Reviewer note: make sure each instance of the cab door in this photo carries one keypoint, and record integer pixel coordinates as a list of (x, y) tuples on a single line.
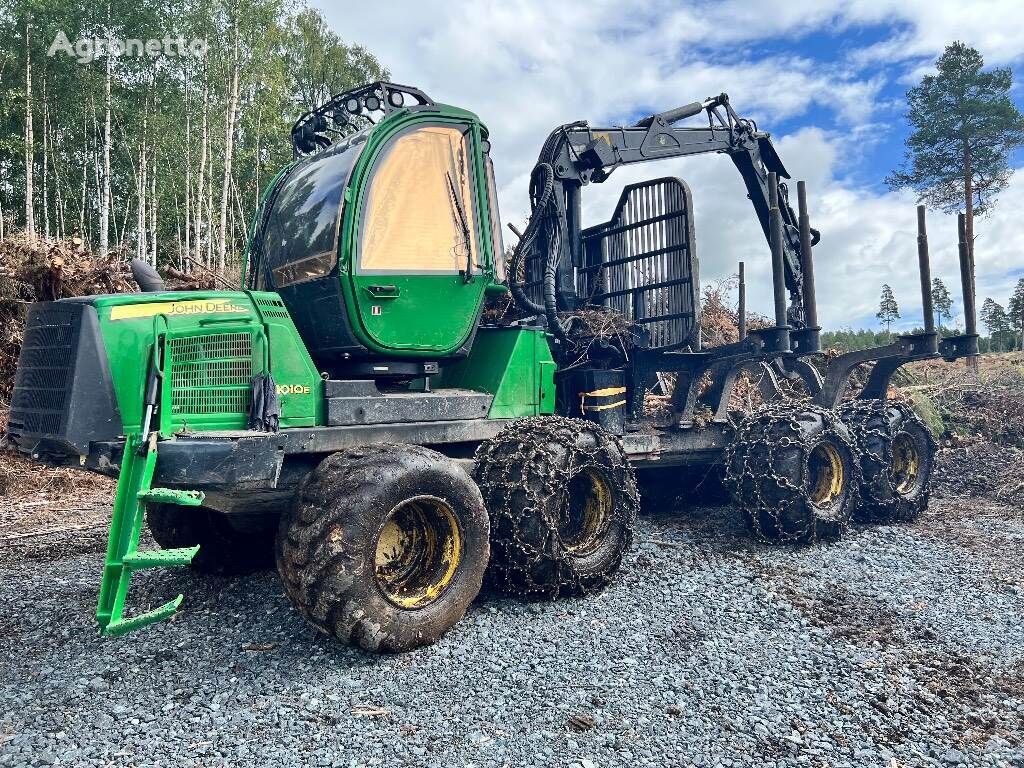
[(417, 273)]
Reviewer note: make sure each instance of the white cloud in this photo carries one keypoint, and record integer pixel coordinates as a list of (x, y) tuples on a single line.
[(526, 66), (992, 26)]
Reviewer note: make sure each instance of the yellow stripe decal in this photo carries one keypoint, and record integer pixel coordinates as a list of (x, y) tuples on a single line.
[(605, 392), (604, 407), (171, 308)]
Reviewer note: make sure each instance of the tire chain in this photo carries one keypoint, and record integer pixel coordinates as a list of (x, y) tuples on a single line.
[(869, 422), (523, 477), (777, 508)]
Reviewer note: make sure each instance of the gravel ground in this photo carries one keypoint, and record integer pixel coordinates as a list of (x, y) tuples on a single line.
[(898, 646)]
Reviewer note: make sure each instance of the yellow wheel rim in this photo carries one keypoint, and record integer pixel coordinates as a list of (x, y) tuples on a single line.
[(825, 474), (419, 549), (587, 511), (905, 465)]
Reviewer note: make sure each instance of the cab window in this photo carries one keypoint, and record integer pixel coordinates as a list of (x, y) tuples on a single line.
[(419, 215), (297, 239), (497, 245)]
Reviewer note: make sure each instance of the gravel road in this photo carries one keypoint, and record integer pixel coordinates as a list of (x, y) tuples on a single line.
[(898, 646)]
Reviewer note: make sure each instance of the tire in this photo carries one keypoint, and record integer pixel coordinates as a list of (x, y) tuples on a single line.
[(384, 547), (223, 550), (897, 456), (563, 499), (791, 469)]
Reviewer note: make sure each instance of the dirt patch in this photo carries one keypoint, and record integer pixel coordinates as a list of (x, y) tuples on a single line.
[(973, 404), (50, 512), (853, 617), (979, 468), (926, 674)]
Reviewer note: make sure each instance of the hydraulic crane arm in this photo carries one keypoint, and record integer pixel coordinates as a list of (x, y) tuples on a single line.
[(579, 154)]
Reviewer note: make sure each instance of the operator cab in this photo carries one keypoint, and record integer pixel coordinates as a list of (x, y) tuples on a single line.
[(383, 235)]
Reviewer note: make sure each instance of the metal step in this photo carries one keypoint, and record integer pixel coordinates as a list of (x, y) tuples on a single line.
[(123, 557), (351, 403), (123, 626), (172, 496), (160, 558)]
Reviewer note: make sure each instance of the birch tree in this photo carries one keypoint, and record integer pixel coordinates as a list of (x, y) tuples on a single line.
[(105, 201), (204, 139), (30, 216), (106, 165), (229, 147)]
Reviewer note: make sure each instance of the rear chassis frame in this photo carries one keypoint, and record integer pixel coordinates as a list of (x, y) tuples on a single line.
[(248, 473)]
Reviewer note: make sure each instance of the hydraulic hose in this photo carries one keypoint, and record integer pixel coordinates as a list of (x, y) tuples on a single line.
[(541, 188), (545, 213), (541, 215), (550, 275)]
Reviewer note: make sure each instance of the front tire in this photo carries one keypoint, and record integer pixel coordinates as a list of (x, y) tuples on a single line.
[(897, 456), (562, 498), (792, 471), (384, 546)]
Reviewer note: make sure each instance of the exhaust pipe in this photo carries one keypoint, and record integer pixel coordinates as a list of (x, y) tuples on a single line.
[(147, 278)]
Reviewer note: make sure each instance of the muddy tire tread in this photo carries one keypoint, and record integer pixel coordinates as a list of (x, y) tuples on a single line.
[(324, 544)]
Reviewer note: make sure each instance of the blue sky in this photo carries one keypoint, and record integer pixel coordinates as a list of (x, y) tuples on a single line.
[(826, 78), (868, 163)]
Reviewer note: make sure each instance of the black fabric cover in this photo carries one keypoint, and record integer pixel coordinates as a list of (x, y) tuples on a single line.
[(265, 411)]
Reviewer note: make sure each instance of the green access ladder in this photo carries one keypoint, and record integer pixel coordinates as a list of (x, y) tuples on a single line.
[(134, 492)]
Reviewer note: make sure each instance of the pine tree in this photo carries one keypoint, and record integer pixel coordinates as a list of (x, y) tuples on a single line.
[(966, 126), (888, 310), (942, 302), (994, 316), (1015, 311)]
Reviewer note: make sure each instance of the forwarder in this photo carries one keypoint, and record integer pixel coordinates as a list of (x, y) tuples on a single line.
[(355, 414)]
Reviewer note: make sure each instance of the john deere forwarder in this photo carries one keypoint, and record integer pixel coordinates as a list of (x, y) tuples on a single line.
[(354, 410)]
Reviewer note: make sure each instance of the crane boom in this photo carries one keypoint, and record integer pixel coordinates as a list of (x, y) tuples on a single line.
[(581, 154)]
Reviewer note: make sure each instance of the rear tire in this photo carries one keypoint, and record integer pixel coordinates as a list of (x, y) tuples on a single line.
[(223, 550), (384, 546), (897, 455), (563, 499), (792, 471)]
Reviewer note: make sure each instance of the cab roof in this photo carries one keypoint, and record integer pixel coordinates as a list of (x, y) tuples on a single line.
[(358, 110)]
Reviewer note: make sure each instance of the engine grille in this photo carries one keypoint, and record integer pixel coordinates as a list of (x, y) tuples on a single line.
[(45, 369), (211, 374), (271, 307)]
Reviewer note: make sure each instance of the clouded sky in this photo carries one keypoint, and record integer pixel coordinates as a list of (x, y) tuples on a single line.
[(827, 79)]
